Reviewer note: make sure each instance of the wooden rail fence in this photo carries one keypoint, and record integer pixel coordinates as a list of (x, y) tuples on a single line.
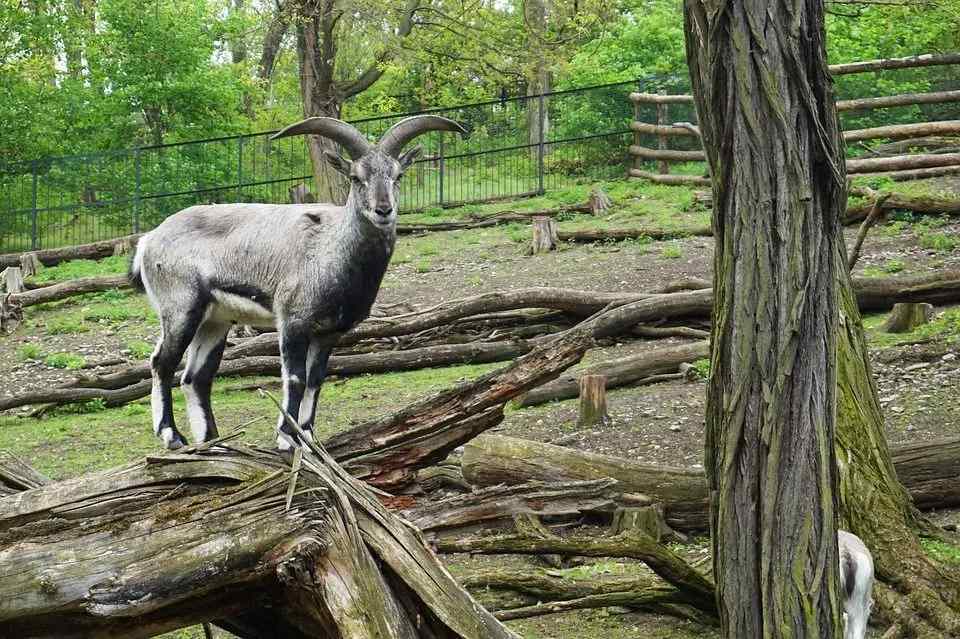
[(897, 167)]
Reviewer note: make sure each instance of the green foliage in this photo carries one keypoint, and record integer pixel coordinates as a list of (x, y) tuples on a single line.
[(139, 349), (672, 251), (30, 352), (893, 266), (66, 325), (938, 241), (702, 368), (69, 361), (941, 551)]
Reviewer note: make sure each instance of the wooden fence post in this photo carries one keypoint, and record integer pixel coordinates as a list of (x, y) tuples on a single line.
[(663, 119)]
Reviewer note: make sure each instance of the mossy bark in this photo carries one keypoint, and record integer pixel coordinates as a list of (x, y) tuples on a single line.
[(770, 131)]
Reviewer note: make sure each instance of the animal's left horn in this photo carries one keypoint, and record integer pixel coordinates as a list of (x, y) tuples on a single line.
[(337, 130), (405, 130)]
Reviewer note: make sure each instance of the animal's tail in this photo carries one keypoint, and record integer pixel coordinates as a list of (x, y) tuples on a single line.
[(133, 273)]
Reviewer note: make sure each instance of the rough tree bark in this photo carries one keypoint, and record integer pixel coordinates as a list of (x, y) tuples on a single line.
[(770, 130)]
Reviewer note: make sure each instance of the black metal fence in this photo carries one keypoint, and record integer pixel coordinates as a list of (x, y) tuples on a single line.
[(62, 201)]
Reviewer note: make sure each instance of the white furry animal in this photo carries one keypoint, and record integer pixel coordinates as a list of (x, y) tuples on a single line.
[(310, 270), (856, 579)]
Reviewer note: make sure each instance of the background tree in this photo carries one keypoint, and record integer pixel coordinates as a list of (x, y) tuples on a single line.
[(768, 118)]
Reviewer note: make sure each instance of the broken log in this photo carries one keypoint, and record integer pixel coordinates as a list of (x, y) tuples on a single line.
[(696, 588), (489, 460), (875, 211), (70, 288), (881, 293), (618, 372), (12, 280), (199, 537), (902, 162), (51, 257), (922, 205), (387, 451), (907, 316), (930, 471), (496, 507)]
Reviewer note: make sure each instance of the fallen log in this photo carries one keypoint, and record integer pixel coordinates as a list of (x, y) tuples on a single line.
[(930, 144), (202, 537), (489, 460), (881, 293), (904, 131), (619, 372), (51, 257), (115, 389), (914, 174), (617, 235), (930, 471), (697, 589), (69, 288), (922, 205), (497, 506), (657, 178), (386, 451), (905, 99), (872, 218)]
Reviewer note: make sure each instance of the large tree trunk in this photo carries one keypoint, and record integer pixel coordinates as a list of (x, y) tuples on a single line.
[(770, 130)]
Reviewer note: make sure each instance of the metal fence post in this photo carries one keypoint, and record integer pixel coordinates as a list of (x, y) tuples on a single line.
[(541, 135), (440, 174), (34, 244), (136, 189), (240, 168)]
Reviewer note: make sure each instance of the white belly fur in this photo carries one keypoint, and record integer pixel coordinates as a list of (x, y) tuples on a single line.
[(227, 307)]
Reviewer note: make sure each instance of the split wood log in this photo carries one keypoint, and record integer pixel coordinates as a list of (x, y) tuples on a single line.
[(929, 470), (29, 264), (387, 451), (16, 475), (876, 210), (618, 372), (618, 235), (51, 257), (697, 589), (593, 401), (496, 507), (199, 537), (69, 288), (695, 180), (12, 280), (902, 162), (907, 316), (544, 235)]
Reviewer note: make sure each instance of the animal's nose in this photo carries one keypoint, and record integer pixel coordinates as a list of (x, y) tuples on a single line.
[(384, 211)]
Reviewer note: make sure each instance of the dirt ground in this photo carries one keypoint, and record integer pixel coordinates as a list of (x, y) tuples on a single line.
[(661, 423)]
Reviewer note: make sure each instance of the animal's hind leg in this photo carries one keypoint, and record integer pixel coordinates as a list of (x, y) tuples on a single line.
[(203, 360), (176, 333), (294, 344), (318, 355)]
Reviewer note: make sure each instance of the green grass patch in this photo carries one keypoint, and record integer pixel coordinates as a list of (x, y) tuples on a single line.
[(672, 251), (69, 361), (139, 349), (66, 325), (945, 326), (942, 552), (75, 269), (29, 352), (938, 241)]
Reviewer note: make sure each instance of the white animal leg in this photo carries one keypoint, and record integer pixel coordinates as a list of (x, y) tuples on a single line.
[(203, 360), (176, 333)]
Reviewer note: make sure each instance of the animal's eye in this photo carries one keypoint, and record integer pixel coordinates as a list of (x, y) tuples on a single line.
[(355, 179)]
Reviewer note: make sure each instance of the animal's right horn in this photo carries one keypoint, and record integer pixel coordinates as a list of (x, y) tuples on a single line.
[(337, 130), (403, 131)]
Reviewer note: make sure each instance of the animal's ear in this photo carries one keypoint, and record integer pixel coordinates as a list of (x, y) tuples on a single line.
[(406, 159), (338, 162)]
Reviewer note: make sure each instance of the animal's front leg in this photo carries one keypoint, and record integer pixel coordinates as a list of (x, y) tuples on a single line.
[(318, 355), (294, 346)]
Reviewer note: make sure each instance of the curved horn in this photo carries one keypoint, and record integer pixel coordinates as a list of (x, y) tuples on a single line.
[(405, 130), (337, 130)]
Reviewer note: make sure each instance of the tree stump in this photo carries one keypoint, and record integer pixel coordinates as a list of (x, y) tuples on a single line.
[(12, 279), (907, 316), (598, 201), (124, 246), (544, 235), (593, 401), (649, 520), (29, 264)]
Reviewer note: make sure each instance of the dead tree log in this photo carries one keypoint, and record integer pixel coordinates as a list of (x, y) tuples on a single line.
[(907, 316), (618, 372), (925, 60), (697, 589), (904, 131), (182, 539), (905, 99), (496, 507), (881, 293), (387, 451), (871, 219), (902, 162), (12, 280), (588, 236), (917, 174), (51, 257), (922, 205), (930, 144), (929, 470), (69, 288)]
